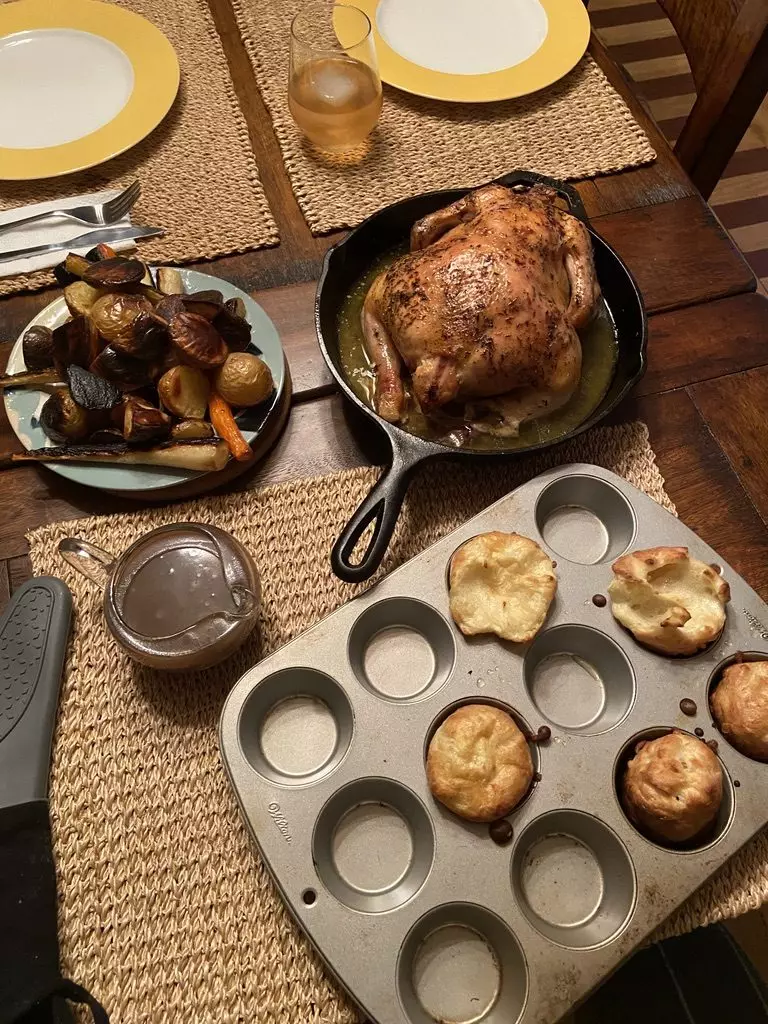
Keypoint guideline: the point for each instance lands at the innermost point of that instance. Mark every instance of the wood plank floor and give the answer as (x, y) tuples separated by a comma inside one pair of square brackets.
[(640, 37)]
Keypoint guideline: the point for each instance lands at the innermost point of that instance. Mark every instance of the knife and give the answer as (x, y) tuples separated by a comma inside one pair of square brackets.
[(89, 239), (33, 641)]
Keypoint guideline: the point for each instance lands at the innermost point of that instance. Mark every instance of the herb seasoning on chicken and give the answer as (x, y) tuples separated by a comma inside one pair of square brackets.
[(484, 312)]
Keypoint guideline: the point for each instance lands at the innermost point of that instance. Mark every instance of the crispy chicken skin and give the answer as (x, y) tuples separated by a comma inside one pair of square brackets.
[(487, 302)]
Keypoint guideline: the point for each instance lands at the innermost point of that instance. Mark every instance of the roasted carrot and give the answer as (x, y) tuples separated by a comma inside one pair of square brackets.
[(224, 424)]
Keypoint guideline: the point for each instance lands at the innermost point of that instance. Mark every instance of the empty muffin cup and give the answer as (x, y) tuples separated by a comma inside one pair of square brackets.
[(461, 963), (373, 845), (573, 879), (585, 519), (295, 727), (401, 649), (579, 679)]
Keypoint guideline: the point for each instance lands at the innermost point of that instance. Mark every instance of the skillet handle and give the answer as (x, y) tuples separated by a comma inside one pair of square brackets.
[(381, 506), (568, 192)]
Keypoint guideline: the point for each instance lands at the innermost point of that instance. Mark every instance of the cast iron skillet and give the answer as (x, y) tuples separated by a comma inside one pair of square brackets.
[(346, 262)]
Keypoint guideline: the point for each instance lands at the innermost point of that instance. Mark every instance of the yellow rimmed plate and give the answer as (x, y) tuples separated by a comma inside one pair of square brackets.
[(80, 82), (474, 52)]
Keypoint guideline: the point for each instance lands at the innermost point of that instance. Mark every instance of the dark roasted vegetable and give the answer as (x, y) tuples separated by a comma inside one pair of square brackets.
[(71, 268), (235, 330), (169, 281), (127, 372), (188, 429), (75, 264), (90, 391), (147, 340), (76, 341), (102, 251), (184, 391), (37, 348), (206, 304), (143, 422), (114, 272), (105, 435), (34, 379), (200, 455), (198, 342), (236, 306), (169, 306), (114, 314), (63, 420)]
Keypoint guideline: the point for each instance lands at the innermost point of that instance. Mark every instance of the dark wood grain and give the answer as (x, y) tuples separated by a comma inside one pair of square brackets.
[(678, 253), (292, 309), (699, 479), (704, 341), (5, 584), (735, 408), (19, 570)]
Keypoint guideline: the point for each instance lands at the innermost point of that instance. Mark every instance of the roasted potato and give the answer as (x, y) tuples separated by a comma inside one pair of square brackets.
[(114, 314), (191, 429), (63, 420), (184, 391), (80, 297), (244, 379)]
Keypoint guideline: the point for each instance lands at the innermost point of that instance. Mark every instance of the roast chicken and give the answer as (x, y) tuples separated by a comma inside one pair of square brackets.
[(485, 306)]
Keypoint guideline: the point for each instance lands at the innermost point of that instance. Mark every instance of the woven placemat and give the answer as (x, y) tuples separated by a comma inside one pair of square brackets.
[(197, 171), (578, 128), (166, 912)]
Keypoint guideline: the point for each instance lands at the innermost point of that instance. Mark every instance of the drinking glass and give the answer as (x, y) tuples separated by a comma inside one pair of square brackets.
[(334, 89)]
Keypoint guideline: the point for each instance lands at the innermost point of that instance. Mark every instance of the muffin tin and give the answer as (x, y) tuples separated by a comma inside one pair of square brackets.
[(421, 915)]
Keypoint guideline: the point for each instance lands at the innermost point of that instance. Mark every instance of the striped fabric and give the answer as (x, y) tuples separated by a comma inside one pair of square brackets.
[(640, 37)]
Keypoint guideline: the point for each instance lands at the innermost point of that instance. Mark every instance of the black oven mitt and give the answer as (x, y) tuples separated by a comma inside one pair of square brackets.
[(31, 984), (33, 637)]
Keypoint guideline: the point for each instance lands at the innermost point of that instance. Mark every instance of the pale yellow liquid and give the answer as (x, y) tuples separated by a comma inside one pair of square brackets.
[(335, 101)]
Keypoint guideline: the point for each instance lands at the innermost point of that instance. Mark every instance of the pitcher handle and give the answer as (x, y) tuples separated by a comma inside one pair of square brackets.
[(92, 562)]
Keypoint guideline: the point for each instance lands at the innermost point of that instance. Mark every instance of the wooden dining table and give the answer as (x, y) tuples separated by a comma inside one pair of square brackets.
[(704, 396)]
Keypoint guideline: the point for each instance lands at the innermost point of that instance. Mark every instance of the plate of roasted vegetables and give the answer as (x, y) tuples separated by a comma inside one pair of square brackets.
[(139, 378)]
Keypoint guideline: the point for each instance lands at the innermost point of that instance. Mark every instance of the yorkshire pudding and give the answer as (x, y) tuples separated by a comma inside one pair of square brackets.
[(673, 786), (668, 600), (740, 707)]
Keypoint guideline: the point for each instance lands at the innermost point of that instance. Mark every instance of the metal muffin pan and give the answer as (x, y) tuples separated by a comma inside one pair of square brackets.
[(421, 915)]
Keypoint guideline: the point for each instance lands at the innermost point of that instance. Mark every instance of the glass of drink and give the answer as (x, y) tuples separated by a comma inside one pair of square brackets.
[(334, 89)]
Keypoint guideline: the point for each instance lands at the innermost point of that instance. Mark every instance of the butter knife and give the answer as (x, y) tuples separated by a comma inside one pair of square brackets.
[(88, 239)]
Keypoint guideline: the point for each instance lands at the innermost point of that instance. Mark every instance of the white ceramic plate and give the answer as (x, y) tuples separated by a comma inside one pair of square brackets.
[(474, 51), (80, 82), (23, 407)]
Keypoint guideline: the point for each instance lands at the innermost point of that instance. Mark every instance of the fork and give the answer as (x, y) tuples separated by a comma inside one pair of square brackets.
[(96, 213)]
